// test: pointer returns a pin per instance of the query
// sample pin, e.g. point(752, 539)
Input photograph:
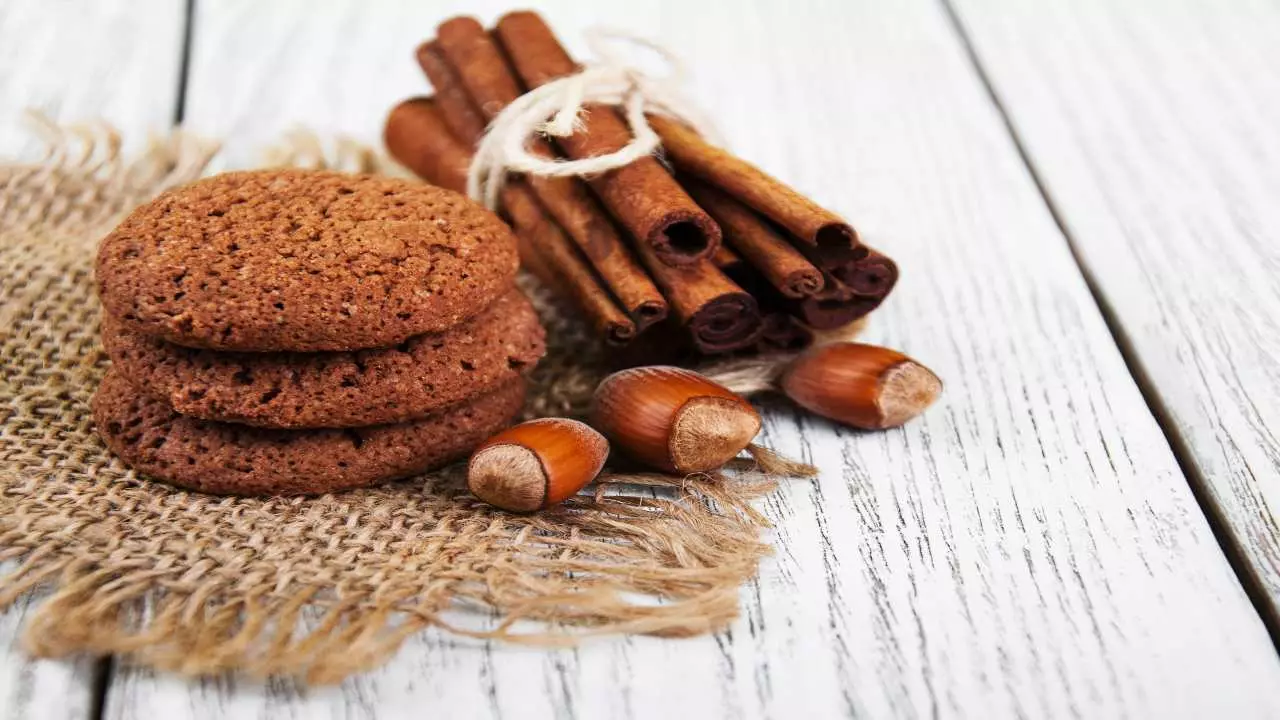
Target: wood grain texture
point(84, 60)
point(1029, 548)
point(78, 61)
point(1155, 133)
point(42, 689)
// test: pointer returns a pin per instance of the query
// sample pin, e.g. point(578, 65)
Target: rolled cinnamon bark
point(712, 315)
point(783, 332)
point(858, 283)
point(719, 315)
point(418, 138)
point(727, 260)
point(667, 343)
point(574, 274)
point(807, 221)
point(779, 329)
point(480, 64)
point(465, 65)
point(833, 306)
point(871, 276)
point(451, 98)
point(762, 246)
point(531, 260)
point(643, 196)
point(739, 271)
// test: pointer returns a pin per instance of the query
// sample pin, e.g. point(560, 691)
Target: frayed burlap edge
point(317, 588)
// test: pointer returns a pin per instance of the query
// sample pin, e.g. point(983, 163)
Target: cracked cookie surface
point(297, 260)
point(224, 458)
point(336, 389)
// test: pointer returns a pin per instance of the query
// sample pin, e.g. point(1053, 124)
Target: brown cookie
point(423, 375)
point(232, 459)
point(303, 260)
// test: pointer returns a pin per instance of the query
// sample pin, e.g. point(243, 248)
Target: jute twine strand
point(555, 109)
point(318, 588)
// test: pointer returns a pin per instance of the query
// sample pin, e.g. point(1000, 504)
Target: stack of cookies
point(296, 332)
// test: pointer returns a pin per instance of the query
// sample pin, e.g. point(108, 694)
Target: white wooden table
point(1084, 197)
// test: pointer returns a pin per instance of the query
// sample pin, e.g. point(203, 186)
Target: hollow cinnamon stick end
point(803, 283)
point(873, 276)
point(649, 313)
point(836, 236)
point(684, 238)
point(620, 334)
point(730, 322)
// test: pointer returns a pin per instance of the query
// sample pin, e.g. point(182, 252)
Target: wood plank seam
point(105, 668)
point(184, 61)
point(1219, 524)
point(103, 672)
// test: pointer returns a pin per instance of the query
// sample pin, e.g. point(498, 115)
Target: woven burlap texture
point(318, 588)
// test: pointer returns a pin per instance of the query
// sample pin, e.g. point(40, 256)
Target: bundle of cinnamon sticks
point(711, 254)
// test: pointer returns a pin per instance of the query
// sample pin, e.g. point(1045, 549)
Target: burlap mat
point(200, 584)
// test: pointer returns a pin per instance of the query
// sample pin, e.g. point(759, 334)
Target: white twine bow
point(554, 108)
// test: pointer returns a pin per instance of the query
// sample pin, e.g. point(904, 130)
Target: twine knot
point(555, 110)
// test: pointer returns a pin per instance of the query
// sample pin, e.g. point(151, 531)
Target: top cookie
point(304, 261)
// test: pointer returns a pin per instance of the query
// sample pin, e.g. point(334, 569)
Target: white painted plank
point(84, 60)
point(41, 689)
point(1029, 548)
point(77, 61)
point(1168, 185)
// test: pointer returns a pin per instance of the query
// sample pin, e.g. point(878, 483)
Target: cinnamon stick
point(727, 260)
point(454, 104)
point(466, 66)
point(667, 343)
point(779, 329)
point(807, 221)
point(762, 246)
point(643, 196)
point(870, 276)
point(782, 332)
point(855, 286)
point(833, 307)
point(574, 274)
point(858, 283)
point(417, 136)
point(719, 315)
